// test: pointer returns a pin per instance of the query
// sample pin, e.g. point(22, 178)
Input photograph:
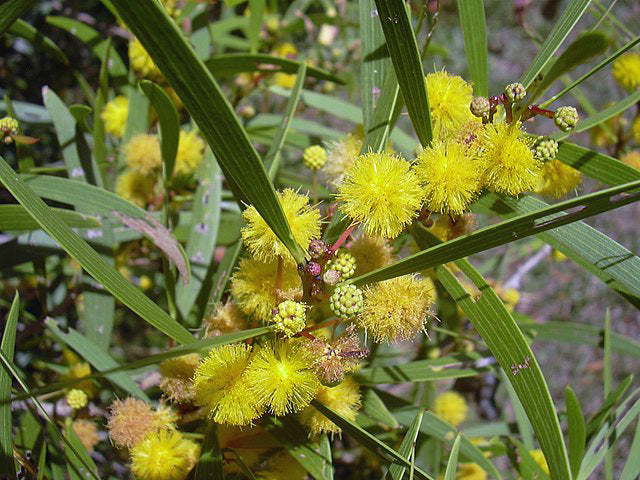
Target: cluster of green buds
point(314, 157)
point(545, 149)
point(290, 317)
point(8, 129)
point(346, 301)
point(566, 118)
point(344, 263)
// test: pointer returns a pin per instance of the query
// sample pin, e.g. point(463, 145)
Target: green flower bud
point(314, 157)
point(291, 317)
point(343, 262)
point(515, 92)
point(545, 149)
point(480, 107)
point(8, 127)
point(566, 118)
point(346, 301)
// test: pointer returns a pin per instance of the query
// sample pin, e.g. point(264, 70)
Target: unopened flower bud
point(331, 277)
point(480, 107)
point(290, 318)
point(317, 248)
point(8, 127)
point(343, 262)
point(515, 92)
point(77, 399)
point(566, 118)
point(313, 268)
point(346, 301)
point(314, 157)
point(545, 149)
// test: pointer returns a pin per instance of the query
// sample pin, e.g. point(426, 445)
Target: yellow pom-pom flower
point(304, 221)
point(540, 459)
point(370, 253)
point(281, 377)
point(632, 158)
point(164, 455)
point(143, 153)
point(314, 157)
point(165, 417)
point(254, 287)
point(626, 71)
point(451, 407)
point(129, 421)
point(381, 192)
point(87, 432)
point(510, 166)
point(451, 177)
point(557, 179)
point(396, 309)
point(344, 399)
point(220, 385)
point(136, 188)
point(289, 51)
point(177, 374)
point(340, 156)
point(141, 61)
point(79, 369)
point(470, 471)
point(449, 100)
point(77, 399)
point(115, 115)
point(190, 153)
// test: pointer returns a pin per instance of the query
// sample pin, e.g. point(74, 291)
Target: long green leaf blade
point(204, 100)
point(11, 11)
point(210, 465)
point(472, 20)
point(8, 345)
point(97, 267)
point(577, 430)
point(452, 463)
point(407, 447)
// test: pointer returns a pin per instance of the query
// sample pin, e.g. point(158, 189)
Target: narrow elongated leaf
point(203, 232)
point(631, 469)
point(583, 48)
point(16, 217)
point(473, 25)
point(603, 115)
point(377, 136)
point(76, 462)
point(596, 165)
point(98, 358)
point(500, 332)
point(169, 124)
point(452, 463)
point(610, 402)
point(11, 10)
point(374, 407)
point(96, 266)
point(577, 430)
point(256, 12)
point(210, 465)
point(8, 345)
point(403, 49)
point(99, 131)
point(367, 440)
point(524, 426)
point(204, 100)
point(37, 39)
point(561, 29)
point(407, 447)
point(505, 232)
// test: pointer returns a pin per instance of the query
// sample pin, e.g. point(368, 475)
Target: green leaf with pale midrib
point(506, 232)
point(96, 266)
point(204, 100)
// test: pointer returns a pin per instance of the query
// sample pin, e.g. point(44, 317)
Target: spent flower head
point(381, 192)
point(177, 374)
point(303, 219)
point(332, 359)
point(129, 421)
point(87, 432)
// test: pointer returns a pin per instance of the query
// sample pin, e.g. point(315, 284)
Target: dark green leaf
point(35, 37)
point(452, 463)
point(596, 165)
point(11, 10)
point(210, 465)
point(473, 25)
point(8, 345)
point(16, 217)
point(407, 448)
point(631, 469)
point(374, 407)
point(577, 430)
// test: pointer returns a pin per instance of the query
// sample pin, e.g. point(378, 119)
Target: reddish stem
point(328, 323)
point(536, 110)
point(307, 335)
point(343, 238)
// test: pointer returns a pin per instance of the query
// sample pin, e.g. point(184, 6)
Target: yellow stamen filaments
point(451, 407)
point(164, 455)
point(344, 399)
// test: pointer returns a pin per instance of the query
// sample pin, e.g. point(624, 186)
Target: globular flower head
point(190, 153)
point(540, 459)
point(470, 471)
point(346, 301)
point(557, 179)
point(9, 126)
point(396, 309)
point(451, 407)
point(515, 92)
point(177, 374)
point(220, 385)
point(303, 219)
point(314, 157)
point(281, 376)
point(344, 399)
point(381, 192)
point(142, 153)
point(164, 455)
point(370, 253)
point(449, 100)
point(141, 61)
point(343, 262)
point(87, 432)
point(254, 287)
point(77, 399)
point(129, 421)
point(290, 317)
point(340, 156)
point(286, 50)
point(566, 118)
point(510, 166)
point(114, 115)
point(225, 318)
point(335, 358)
point(626, 71)
point(135, 187)
point(632, 158)
point(545, 149)
point(451, 177)
point(79, 369)
point(480, 107)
